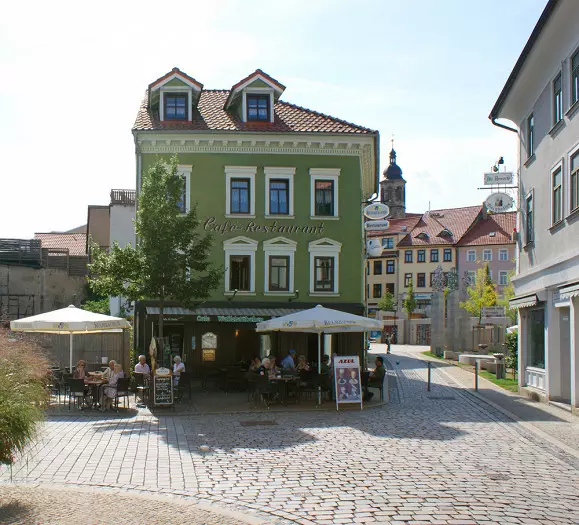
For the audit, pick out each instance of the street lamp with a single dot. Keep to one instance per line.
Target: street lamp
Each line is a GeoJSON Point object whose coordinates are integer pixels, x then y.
{"type": "Point", "coordinates": [395, 328]}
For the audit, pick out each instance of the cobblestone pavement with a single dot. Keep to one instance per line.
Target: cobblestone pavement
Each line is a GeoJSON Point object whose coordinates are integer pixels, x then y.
{"type": "Point", "coordinates": [428, 457]}
{"type": "Point", "coordinates": [25, 505]}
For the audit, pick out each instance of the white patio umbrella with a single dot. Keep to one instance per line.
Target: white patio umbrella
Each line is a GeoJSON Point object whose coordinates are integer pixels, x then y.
{"type": "Point", "coordinates": [70, 320]}
{"type": "Point", "coordinates": [320, 320]}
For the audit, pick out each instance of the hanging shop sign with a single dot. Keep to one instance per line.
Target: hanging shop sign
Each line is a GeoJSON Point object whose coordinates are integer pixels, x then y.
{"type": "Point", "coordinates": [376, 225]}
{"type": "Point", "coordinates": [374, 247]}
{"type": "Point", "coordinates": [505, 177]}
{"type": "Point", "coordinates": [376, 211]}
{"type": "Point", "coordinates": [347, 379]}
{"type": "Point", "coordinates": [499, 202]}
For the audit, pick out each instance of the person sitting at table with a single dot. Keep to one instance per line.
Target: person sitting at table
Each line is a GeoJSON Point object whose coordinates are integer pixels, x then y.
{"type": "Point", "coordinates": [302, 364]}
{"type": "Point", "coordinates": [255, 364]}
{"type": "Point", "coordinates": [264, 368]}
{"type": "Point", "coordinates": [325, 365]}
{"type": "Point", "coordinates": [80, 371]}
{"type": "Point", "coordinates": [373, 379]}
{"type": "Point", "coordinates": [288, 361]}
{"type": "Point", "coordinates": [178, 367]}
{"type": "Point", "coordinates": [142, 367]}
{"type": "Point", "coordinates": [110, 391]}
{"type": "Point", "coordinates": [107, 373]}
{"type": "Point", "coordinates": [274, 371]}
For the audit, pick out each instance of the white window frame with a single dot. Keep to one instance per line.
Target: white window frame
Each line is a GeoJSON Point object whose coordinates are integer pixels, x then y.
{"type": "Point", "coordinates": [503, 254]}
{"type": "Point", "coordinates": [325, 247]}
{"type": "Point", "coordinates": [468, 254]}
{"type": "Point", "coordinates": [489, 252]}
{"type": "Point", "coordinates": [240, 246]}
{"type": "Point", "coordinates": [574, 151]}
{"type": "Point", "coordinates": [324, 174]}
{"type": "Point", "coordinates": [529, 196]}
{"type": "Point", "coordinates": [280, 173]}
{"type": "Point", "coordinates": [175, 89]}
{"type": "Point", "coordinates": [184, 170]}
{"type": "Point", "coordinates": [561, 114]}
{"type": "Point", "coordinates": [471, 276]}
{"type": "Point", "coordinates": [240, 172]}
{"type": "Point", "coordinates": [283, 247]}
{"type": "Point", "coordinates": [505, 274]}
{"type": "Point", "coordinates": [557, 167]}
{"type": "Point", "coordinates": [257, 91]}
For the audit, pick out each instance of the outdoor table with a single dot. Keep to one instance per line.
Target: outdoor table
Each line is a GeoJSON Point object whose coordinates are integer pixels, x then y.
{"type": "Point", "coordinates": [95, 386]}
{"type": "Point", "coordinates": [282, 384]}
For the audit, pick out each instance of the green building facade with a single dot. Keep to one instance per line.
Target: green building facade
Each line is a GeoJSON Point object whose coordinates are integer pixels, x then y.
{"type": "Point", "coordinates": [281, 188]}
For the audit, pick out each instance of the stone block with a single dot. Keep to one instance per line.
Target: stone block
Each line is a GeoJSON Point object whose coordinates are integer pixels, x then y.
{"type": "Point", "coordinates": [448, 354]}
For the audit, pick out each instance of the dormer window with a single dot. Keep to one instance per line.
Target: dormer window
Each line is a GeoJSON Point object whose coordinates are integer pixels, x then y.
{"type": "Point", "coordinates": [422, 235]}
{"type": "Point", "coordinates": [176, 106]}
{"type": "Point", "coordinates": [257, 108]}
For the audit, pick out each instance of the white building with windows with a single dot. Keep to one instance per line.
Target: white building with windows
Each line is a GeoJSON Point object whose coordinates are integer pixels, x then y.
{"type": "Point", "coordinates": [541, 99]}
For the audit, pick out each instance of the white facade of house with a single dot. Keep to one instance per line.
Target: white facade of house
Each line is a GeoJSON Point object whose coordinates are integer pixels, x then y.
{"type": "Point", "coordinates": [122, 230]}
{"type": "Point", "coordinates": [541, 98]}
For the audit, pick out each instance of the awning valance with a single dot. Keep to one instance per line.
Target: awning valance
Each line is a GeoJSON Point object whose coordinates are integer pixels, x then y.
{"type": "Point", "coordinates": [569, 291]}
{"type": "Point", "coordinates": [229, 312]}
{"type": "Point", "coordinates": [523, 301]}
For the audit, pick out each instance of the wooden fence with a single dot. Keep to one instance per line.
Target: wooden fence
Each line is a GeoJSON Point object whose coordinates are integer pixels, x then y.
{"type": "Point", "coordinates": [93, 348]}
{"type": "Point", "coordinates": [21, 252]}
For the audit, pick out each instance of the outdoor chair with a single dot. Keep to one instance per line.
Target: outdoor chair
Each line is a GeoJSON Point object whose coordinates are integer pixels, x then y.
{"type": "Point", "coordinates": [122, 390]}
{"type": "Point", "coordinates": [264, 390]}
{"type": "Point", "coordinates": [142, 387]}
{"type": "Point", "coordinates": [308, 383]}
{"type": "Point", "coordinates": [184, 384]}
{"type": "Point", "coordinates": [251, 379]}
{"type": "Point", "coordinates": [381, 386]}
{"type": "Point", "coordinates": [76, 391]}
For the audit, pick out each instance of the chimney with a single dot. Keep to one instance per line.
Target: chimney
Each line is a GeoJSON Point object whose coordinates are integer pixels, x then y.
{"type": "Point", "coordinates": [485, 214]}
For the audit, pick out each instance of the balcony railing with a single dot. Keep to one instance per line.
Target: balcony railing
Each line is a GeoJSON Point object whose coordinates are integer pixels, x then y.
{"type": "Point", "coordinates": [126, 197]}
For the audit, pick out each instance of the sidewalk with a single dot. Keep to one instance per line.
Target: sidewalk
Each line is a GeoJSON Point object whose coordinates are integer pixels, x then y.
{"type": "Point", "coordinates": [550, 423]}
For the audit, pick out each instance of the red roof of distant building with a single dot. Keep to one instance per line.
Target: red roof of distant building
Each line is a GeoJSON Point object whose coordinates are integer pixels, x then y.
{"type": "Point", "coordinates": [209, 115]}
{"type": "Point", "coordinates": [495, 229]}
{"type": "Point", "coordinates": [445, 226]}
{"type": "Point", "coordinates": [74, 242]}
{"type": "Point", "coordinates": [398, 225]}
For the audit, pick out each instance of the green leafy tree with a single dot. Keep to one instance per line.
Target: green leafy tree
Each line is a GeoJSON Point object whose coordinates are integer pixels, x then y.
{"type": "Point", "coordinates": [387, 301]}
{"type": "Point", "coordinates": [171, 258]}
{"type": "Point", "coordinates": [409, 303]}
{"type": "Point", "coordinates": [509, 293]}
{"type": "Point", "coordinates": [481, 294]}
{"type": "Point", "coordinates": [99, 306]}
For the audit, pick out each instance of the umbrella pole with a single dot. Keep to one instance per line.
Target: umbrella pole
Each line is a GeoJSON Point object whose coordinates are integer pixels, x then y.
{"type": "Point", "coordinates": [71, 352]}
{"type": "Point", "coordinates": [319, 368]}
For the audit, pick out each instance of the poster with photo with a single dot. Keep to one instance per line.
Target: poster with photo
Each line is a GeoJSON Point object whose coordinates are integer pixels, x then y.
{"type": "Point", "coordinates": [347, 380]}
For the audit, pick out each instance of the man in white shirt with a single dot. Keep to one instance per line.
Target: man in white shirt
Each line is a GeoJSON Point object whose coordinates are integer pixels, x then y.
{"type": "Point", "coordinates": [142, 367]}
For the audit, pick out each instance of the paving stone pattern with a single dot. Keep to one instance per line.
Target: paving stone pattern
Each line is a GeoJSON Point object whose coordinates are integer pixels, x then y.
{"type": "Point", "coordinates": [427, 457]}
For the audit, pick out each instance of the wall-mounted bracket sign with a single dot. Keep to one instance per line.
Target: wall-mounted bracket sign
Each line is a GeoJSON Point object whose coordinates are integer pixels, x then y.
{"type": "Point", "coordinates": [376, 225]}
{"type": "Point", "coordinates": [504, 177]}
{"type": "Point", "coordinates": [376, 211]}
{"type": "Point", "coordinates": [499, 202]}
{"type": "Point", "coordinates": [374, 247]}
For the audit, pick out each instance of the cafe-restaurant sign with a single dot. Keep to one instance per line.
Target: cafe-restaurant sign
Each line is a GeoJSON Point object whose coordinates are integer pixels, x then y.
{"type": "Point", "coordinates": [211, 224]}
{"type": "Point", "coordinates": [376, 211]}
{"type": "Point", "coordinates": [347, 379]}
{"type": "Point", "coordinates": [499, 202]}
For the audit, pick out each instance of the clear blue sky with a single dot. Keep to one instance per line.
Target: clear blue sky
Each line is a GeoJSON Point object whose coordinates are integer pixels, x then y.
{"type": "Point", "coordinates": [73, 74]}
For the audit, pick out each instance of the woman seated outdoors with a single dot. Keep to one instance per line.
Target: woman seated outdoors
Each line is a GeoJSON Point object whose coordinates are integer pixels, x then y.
{"type": "Point", "coordinates": [255, 365]}
{"type": "Point", "coordinates": [80, 372]}
{"type": "Point", "coordinates": [110, 391]}
{"type": "Point", "coordinates": [302, 365]}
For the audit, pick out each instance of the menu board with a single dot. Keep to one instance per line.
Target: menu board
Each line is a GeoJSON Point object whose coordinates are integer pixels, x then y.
{"type": "Point", "coordinates": [163, 390]}
{"type": "Point", "coordinates": [347, 379]}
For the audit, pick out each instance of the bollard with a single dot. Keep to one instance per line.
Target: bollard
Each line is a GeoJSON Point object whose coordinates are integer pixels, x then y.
{"type": "Point", "coordinates": [476, 375]}
{"type": "Point", "coordinates": [429, 376]}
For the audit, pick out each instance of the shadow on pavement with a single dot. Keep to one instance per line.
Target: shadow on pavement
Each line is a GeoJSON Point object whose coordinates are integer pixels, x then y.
{"type": "Point", "coordinates": [12, 512]}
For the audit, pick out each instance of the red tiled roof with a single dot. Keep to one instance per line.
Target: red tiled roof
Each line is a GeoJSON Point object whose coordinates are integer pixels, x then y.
{"type": "Point", "coordinates": [177, 71]}
{"type": "Point", "coordinates": [502, 224]}
{"type": "Point", "coordinates": [397, 225]}
{"type": "Point", "coordinates": [74, 242]}
{"type": "Point", "coordinates": [457, 221]}
{"type": "Point", "coordinates": [209, 115]}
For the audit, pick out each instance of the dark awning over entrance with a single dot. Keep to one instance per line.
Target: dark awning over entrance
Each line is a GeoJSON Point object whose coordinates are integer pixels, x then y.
{"type": "Point", "coordinates": [222, 315]}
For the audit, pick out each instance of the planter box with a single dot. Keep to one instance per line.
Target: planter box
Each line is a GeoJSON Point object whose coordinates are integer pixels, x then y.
{"type": "Point", "coordinates": [489, 365]}
{"type": "Point", "coordinates": [448, 354]}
